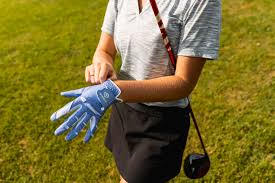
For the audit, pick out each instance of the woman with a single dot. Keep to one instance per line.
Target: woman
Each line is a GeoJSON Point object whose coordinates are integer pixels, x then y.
{"type": "Point", "coordinates": [147, 133]}
{"type": "Point", "coordinates": [148, 139]}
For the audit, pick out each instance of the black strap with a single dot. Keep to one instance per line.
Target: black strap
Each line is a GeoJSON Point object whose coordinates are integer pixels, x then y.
{"type": "Point", "coordinates": [196, 126]}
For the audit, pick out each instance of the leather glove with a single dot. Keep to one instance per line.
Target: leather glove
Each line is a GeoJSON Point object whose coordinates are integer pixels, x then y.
{"type": "Point", "coordinates": [89, 106]}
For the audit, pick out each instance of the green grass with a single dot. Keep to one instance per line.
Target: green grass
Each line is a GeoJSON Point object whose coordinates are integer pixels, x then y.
{"type": "Point", "coordinates": [44, 48]}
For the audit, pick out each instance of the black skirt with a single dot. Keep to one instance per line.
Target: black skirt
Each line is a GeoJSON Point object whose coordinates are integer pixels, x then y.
{"type": "Point", "coordinates": [147, 142]}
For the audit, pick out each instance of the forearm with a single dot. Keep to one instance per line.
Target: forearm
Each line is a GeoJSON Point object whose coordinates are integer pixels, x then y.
{"type": "Point", "coordinates": [105, 51]}
{"type": "Point", "coordinates": [165, 88]}
{"type": "Point", "coordinates": [103, 60]}
{"type": "Point", "coordinates": [161, 89]}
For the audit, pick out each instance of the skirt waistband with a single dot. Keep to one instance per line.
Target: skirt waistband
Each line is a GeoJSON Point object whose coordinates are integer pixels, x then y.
{"type": "Point", "coordinates": [156, 109]}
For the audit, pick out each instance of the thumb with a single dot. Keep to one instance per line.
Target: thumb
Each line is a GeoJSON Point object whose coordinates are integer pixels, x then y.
{"type": "Point", "coordinates": [73, 93]}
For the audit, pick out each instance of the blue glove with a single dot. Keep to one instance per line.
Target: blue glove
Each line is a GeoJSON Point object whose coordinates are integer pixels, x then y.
{"type": "Point", "coordinates": [89, 106]}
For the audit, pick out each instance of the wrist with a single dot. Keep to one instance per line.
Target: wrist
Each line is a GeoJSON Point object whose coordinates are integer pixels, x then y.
{"type": "Point", "coordinates": [111, 85]}
{"type": "Point", "coordinates": [103, 57]}
{"type": "Point", "coordinates": [103, 61]}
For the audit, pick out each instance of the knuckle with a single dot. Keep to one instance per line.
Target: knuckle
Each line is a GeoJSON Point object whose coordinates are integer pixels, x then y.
{"type": "Point", "coordinates": [101, 78]}
{"type": "Point", "coordinates": [97, 67]}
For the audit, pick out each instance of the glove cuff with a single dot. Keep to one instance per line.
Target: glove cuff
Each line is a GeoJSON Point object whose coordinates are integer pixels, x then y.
{"type": "Point", "coordinates": [109, 84]}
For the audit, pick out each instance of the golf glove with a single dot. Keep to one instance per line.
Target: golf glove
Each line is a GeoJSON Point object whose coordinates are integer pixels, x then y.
{"type": "Point", "coordinates": [89, 106]}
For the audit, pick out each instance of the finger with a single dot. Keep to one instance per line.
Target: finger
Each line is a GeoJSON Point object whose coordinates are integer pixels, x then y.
{"type": "Point", "coordinates": [92, 69]}
{"type": "Point", "coordinates": [65, 110]}
{"type": "Point", "coordinates": [92, 73]}
{"type": "Point", "coordinates": [91, 130]}
{"type": "Point", "coordinates": [97, 68]}
{"type": "Point", "coordinates": [92, 78]}
{"type": "Point", "coordinates": [103, 73]}
{"type": "Point", "coordinates": [87, 74]}
{"type": "Point", "coordinates": [69, 122]}
{"type": "Point", "coordinates": [80, 125]}
{"type": "Point", "coordinates": [73, 93]}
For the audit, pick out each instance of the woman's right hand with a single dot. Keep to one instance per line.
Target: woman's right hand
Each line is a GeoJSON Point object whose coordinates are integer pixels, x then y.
{"type": "Point", "coordinates": [99, 72]}
{"type": "Point", "coordinates": [102, 67]}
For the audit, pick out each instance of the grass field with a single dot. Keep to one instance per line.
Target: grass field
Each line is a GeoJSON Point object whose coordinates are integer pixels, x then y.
{"type": "Point", "coordinates": [44, 48]}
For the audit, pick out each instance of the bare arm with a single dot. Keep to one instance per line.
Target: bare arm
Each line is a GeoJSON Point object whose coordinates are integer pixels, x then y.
{"type": "Point", "coordinates": [165, 88]}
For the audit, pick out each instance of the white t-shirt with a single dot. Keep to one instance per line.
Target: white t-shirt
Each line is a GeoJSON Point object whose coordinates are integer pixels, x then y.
{"type": "Point", "coordinates": [193, 28]}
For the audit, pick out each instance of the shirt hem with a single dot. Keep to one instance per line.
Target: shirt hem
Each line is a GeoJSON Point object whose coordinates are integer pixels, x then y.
{"type": "Point", "coordinates": [110, 32]}
{"type": "Point", "coordinates": [203, 54]}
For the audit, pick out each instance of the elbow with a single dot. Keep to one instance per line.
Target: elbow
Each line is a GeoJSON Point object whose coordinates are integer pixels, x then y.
{"type": "Point", "coordinates": [185, 87]}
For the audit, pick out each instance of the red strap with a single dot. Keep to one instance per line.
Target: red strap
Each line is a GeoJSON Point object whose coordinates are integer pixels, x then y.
{"type": "Point", "coordinates": [163, 33]}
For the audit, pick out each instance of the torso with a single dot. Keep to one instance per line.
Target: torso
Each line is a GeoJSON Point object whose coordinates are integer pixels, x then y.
{"type": "Point", "coordinates": [138, 40]}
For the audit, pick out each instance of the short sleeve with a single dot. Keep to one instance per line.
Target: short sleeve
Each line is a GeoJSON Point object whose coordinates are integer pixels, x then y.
{"type": "Point", "coordinates": [108, 25]}
{"type": "Point", "coordinates": [201, 30]}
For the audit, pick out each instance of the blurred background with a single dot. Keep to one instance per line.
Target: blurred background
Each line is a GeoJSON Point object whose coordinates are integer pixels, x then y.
{"type": "Point", "coordinates": [44, 48]}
